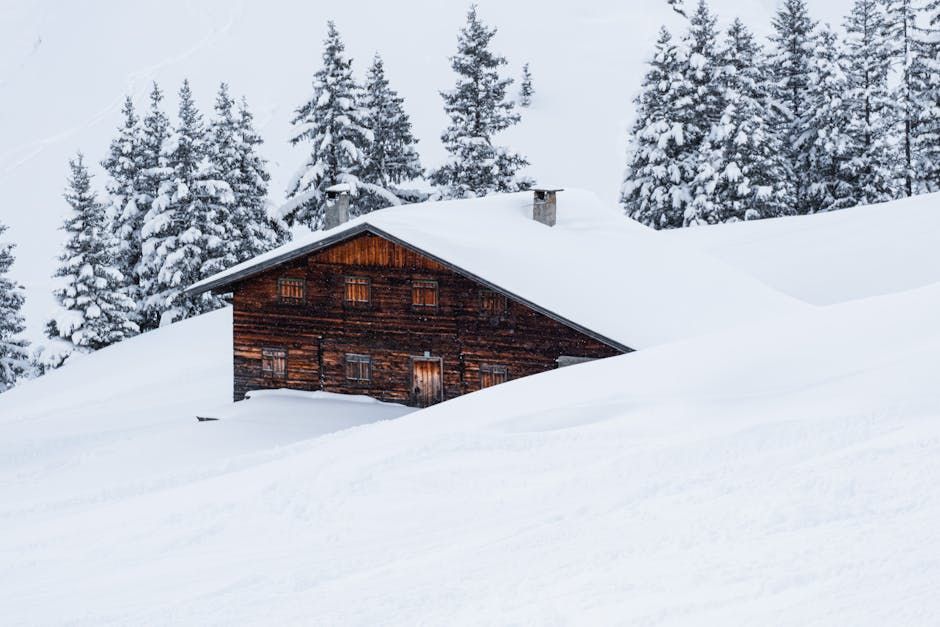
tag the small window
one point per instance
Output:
(291, 291)
(491, 375)
(493, 303)
(358, 290)
(424, 293)
(358, 367)
(273, 363)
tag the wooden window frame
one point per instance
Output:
(292, 300)
(359, 360)
(349, 280)
(427, 283)
(270, 352)
(493, 370)
(502, 308)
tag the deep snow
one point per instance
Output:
(832, 257)
(760, 475)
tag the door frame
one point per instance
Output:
(411, 375)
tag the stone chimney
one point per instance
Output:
(337, 206)
(545, 205)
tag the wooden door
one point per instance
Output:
(427, 381)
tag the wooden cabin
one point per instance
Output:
(361, 310)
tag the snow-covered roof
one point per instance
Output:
(595, 269)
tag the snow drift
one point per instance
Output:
(759, 475)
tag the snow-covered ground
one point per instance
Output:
(780, 475)
(61, 86)
(832, 257)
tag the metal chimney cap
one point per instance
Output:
(547, 188)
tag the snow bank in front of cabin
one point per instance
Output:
(746, 477)
(594, 268)
(832, 257)
(330, 412)
(121, 423)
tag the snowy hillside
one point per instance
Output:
(790, 485)
(743, 477)
(61, 87)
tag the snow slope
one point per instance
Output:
(747, 477)
(65, 67)
(832, 257)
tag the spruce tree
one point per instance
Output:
(742, 178)
(95, 310)
(126, 194)
(698, 116)
(155, 131)
(655, 191)
(789, 66)
(332, 123)
(245, 228)
(392, 155)
(870, 157)
(913, 97)
(251, 190)
(478, 110)
(14, 361)
(525, 87)
(829, 183)
(184, 231)
(680, 103)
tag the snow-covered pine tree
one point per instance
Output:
(478, 110)
(332, 122)
(126, 194)
(655, 191)
(95, 310)
(155, 130)
(14, 360)
(526, 90)
(915, 59)
(244, 228)
(829, 182)
(869, 156)
(183, 232)
(251, 190)
(700, 115)
(392, 155)
(789, 65)
(928, 100)
(745, 168)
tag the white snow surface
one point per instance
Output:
(832, 257)
(66, 66)
(761, 475)
(594, 267)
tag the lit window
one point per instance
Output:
(424, 293)
(273, 363)
(358, 290)
(493, 303)
(492, 375)
(358, 367)
(291, 290)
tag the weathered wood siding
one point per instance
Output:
(319, 332)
